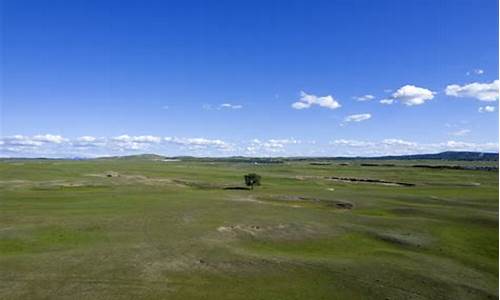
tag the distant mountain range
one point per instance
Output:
(448, 155)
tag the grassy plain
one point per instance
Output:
(149, 229)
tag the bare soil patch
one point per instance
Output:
(340, 204)
(249, 229)
(119, 178)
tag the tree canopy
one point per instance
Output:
(252, 179)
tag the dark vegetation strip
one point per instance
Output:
(353, 179)
(444, 167)
(436, 167)
(378, 165)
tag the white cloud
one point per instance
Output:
(411, 95)
(86, 138)
(193, 141)
(465, 146)
(200, 143)
(486, 109)
(285, 141)
(21, 141)
(398, 142)
(476, 71)
(480, 91)
(461, 132)
(351, 143)
(88, 141)
(270, 146)
(357, 117)
(307, 100)
(222, 106)
(300, 105)
(126, 142)
(387, 101)
(364, 98)
(138, 139)
(49, 138)
(21, 145)
(230, 106)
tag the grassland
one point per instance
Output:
(148, 229)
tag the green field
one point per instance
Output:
(149, 229)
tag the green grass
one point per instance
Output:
(169, 231)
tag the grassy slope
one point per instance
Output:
(67, 230)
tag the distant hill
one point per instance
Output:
(449, 155)
(139, 156)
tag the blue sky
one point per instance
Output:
(90, 78)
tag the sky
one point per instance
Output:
(254, 78)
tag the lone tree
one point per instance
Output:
(252, 179)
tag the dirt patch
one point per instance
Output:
(266, 202)
(119, 178)
(287, 198)
(340, 204)
(112, 174)
(247, 199)
(16, 183)
(48, 184)
(401, 239)
(249, 229)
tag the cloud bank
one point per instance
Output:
(90, 146)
